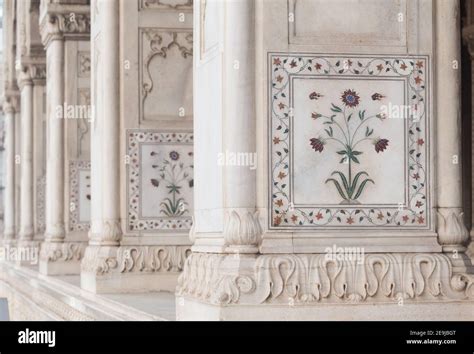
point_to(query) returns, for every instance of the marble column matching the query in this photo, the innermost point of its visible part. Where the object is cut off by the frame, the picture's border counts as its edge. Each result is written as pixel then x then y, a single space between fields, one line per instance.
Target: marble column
pixel 53 41
pixel 106 231
pixel 26 183
pixel 58 254
pixel 238 228
pixel 9 192
pixel 452 232
pixel 242 228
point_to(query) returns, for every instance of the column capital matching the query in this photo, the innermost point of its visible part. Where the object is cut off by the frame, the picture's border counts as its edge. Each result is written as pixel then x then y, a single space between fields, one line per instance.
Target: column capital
pixel 11 102
pixel 33 72
pixel 62 21
pixel 8 107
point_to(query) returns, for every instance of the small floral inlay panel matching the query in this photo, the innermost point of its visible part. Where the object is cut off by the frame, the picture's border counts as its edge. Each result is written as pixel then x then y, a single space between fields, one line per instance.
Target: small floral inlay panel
pixel 349 142
pixel 80 195
pixel 160 180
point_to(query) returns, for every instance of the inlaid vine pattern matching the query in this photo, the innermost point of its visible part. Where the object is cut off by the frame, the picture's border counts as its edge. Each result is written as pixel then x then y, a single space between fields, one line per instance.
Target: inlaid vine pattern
pixel 350 179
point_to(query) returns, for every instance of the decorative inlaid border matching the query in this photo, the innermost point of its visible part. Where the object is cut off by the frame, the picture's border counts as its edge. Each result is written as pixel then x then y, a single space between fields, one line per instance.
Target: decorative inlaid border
pixel 75 224
pixel 283 68
pixel 83 64
pixel 134 220
pixel 40 205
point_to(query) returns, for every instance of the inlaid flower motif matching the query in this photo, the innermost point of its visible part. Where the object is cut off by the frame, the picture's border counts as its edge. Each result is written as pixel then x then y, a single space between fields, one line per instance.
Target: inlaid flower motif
pixel 315 96
pixel 279 203
pixel 381 145
pixel 277 220
pixel 319 216
pixel 174 155
pixel 377 97
pixel 276 140
pixel 317 144
pixel 420 142
pixel 350 98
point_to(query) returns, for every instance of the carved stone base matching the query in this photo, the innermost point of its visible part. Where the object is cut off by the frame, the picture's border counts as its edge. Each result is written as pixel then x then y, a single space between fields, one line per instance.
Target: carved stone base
pixel 193 310
pixel 308 286
pixel 27 253
pixel 128 269
pixel 61 258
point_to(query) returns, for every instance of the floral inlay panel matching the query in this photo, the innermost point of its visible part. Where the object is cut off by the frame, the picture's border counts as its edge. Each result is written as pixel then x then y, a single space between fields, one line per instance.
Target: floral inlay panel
pixel 160 180
pixel 80 195
pixel 349 143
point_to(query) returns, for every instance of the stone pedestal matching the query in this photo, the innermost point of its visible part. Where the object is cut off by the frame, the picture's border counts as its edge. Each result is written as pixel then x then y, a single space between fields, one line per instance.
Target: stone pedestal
pixel 357 204
pixel 138 237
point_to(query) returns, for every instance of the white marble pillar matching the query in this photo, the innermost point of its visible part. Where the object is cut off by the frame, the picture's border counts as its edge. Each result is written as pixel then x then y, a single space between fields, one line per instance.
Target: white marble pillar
pixel 106 231
pixel 55 231
pixel 109 139
pixel 225 193
pixel 9 192
pixel 53 40
pixel 452 232
pixel 242 229
pixel 26 154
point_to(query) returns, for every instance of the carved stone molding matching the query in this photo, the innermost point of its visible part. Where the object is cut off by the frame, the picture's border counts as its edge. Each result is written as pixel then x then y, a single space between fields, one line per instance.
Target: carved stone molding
pixel 32 73
pixel 314 278
pixel 140 259
pixel 72 24
pixel 99 260
pixel 112 231
pixel 158 43
pixel 452 232
pixel 242 230
pixel 62 252
pixel 152 258
pixel 8 107
pixel 166 4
